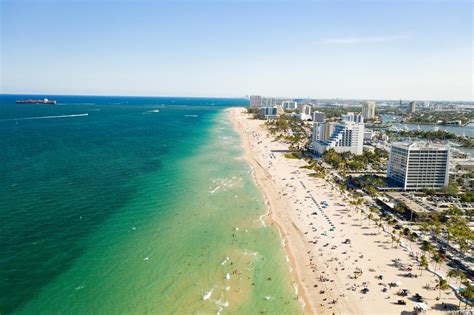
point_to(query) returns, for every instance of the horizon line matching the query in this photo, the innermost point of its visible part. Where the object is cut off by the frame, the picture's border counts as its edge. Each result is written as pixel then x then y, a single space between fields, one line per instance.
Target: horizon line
pixel 245 97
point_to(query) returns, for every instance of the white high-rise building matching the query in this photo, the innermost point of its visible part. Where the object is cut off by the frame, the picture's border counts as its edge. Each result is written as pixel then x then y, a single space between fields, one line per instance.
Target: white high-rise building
pixel 368 109
pixel 346 136
pixel 290 105
pixel 305 112
pixel 419 165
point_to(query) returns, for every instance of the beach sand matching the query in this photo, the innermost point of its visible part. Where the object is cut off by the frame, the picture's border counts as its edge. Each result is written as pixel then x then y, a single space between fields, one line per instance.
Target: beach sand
pixel 324 267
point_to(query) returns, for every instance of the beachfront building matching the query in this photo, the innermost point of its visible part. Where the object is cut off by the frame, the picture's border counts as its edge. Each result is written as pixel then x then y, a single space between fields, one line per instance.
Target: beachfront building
pixel 412 107
pixel 271 112
pixel 289 105
pixel 418 165
pixel 368 109
pixel 319 117
pixel 322 131
pixel 346 136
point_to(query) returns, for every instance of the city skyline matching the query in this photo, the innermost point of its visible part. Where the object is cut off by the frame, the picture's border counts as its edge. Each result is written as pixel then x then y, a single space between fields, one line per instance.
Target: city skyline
pixel 377 50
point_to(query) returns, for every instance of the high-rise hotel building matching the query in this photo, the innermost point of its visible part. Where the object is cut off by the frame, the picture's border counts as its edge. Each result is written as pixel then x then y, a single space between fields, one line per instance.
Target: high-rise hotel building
pixel 368 109
pixel 346 136
pixel 418 165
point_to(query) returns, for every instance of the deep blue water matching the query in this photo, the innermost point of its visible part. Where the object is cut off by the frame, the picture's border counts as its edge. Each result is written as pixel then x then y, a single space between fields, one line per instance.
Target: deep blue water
pixel 56 171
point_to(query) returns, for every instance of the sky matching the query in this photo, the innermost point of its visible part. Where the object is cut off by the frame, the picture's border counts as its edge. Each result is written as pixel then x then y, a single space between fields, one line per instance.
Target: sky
pixel 421 50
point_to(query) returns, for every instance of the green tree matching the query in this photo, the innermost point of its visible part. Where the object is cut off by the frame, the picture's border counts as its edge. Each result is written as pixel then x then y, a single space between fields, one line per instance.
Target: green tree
pixel 468 294
pixel 452 274
pixel 442 286
pixel 461 276
pixel 423 263
pixel 427 247
pixel 394 239
pixel 436 259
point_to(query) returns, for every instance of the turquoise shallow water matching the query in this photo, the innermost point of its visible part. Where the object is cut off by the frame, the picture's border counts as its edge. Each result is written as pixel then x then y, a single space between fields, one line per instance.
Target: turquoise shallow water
pixel 127 210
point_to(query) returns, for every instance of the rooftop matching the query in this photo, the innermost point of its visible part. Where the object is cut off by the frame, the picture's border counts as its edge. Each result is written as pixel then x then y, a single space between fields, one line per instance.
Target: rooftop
pixel 417 145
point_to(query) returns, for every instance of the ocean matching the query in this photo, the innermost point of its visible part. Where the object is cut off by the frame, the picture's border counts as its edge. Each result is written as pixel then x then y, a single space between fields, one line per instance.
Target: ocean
pixel 133 205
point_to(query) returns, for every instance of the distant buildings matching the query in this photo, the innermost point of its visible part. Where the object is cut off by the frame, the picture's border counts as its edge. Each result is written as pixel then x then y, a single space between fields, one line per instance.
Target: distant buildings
pixel 346 136
pixel 268 101
pixel 319 117
pixel 289 105
pixel 419 165
pixel 352 117
pixel 305 112
pixel 259 101
pixel 368 109
pixel 255 101
pixel 412 107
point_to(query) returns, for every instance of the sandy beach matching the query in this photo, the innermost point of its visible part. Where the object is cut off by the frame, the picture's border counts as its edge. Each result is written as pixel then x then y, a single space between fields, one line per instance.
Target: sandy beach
pixel 333 251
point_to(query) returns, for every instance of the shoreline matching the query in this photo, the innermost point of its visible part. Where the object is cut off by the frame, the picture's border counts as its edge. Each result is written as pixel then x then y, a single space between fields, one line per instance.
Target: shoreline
pixel 262 180
pixel 329 273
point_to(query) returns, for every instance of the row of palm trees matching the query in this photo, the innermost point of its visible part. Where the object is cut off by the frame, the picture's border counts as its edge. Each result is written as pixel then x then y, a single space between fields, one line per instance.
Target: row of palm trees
pixel 437 258
pixel 443 284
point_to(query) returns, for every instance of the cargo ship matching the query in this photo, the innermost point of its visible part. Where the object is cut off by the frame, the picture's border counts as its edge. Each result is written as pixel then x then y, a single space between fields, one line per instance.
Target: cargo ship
pixel 43 101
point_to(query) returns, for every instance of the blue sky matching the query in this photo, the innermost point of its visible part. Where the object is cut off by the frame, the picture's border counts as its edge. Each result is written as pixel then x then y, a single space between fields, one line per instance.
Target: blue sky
pixel 325 49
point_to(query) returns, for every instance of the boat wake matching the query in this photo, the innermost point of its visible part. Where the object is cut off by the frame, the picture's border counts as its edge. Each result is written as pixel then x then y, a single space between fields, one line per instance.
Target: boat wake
pixel 46 117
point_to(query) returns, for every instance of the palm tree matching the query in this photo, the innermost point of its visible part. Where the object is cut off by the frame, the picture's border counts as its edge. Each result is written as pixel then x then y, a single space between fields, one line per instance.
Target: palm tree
pixel 467 294
pixel 427 247
pixel 425 227
pixel 436 259
pixel 442 286
pixel 461 276
pixel 380 225
pixel 452 274
pixel 423 263
pixel 400 234
pixel 412 237
pixel 393 239
pixel 441 259
pixel 370 217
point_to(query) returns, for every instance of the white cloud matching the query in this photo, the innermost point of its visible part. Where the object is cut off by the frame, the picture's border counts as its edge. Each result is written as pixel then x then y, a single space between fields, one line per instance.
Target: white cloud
pixel 362 40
